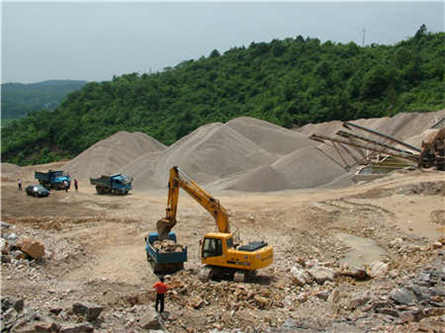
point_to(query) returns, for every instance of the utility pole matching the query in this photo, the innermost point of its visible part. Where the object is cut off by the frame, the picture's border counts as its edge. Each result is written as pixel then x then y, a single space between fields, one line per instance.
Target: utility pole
pixel 363 36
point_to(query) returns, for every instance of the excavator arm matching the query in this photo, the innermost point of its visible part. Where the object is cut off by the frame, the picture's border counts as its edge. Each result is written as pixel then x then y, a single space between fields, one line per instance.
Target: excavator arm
pixel 178 179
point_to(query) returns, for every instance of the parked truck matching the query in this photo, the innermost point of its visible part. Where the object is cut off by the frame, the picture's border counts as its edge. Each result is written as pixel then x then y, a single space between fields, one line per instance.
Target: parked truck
pixel 165 256
pixel 53 179
pixel 114 184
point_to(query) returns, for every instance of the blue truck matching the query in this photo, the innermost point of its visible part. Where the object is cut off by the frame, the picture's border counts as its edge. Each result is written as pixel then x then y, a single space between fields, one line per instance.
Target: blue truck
pixel 165 257
pixel 53 179
pixel 114 184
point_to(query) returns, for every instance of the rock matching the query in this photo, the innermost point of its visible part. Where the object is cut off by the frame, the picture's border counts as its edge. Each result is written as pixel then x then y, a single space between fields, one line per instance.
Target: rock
pixel 196 302
pixel 403 296
pixel 378 269
pixel 18 255
pixel 322 274
pixel 4 246
pixel 299 276
pixel 354 272
pixel 263 302
pixel 4 225
pixel 12 237
pixel 77 328
pixel 359 300
pixel 47 327
pixel 388 311
pixel 414 315
pixel 334 297
pixel 150 321
pixel 422 293
pixel 56 311
pixel 289 324
pixel 6 259
pixel 88 310
pixel 324 295
pixel 436 245
pixel 31 247
pixel 10 302
pixel 437 291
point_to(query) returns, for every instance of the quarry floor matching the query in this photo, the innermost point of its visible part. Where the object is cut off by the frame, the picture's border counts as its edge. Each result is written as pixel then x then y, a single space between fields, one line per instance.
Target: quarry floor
pixel 95 243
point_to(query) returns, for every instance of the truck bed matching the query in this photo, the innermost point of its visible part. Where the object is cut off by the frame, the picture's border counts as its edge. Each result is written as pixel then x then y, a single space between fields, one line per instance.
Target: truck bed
pixel 162 261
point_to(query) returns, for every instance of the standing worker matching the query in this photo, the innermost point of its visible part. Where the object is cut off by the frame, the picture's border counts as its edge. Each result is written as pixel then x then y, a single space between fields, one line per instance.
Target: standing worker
pixel 65 183
pixel 19 184
pixel 161 289
pixel 76 185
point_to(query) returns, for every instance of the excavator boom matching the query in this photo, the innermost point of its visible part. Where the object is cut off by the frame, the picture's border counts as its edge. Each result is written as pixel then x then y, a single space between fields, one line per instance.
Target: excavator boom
pixel 178 179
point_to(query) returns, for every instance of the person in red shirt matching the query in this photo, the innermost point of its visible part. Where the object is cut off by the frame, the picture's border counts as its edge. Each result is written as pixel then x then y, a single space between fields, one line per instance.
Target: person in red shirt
pixel 161 289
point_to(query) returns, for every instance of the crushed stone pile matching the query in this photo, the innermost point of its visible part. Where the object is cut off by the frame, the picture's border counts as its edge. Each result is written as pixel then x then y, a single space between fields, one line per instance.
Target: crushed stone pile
pixel 110 155
pixel 211 152
pixel 272 138
pixel 303 168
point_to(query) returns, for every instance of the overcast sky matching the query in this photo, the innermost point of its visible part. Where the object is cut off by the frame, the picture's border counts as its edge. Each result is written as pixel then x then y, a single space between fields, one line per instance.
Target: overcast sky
pixel 95 40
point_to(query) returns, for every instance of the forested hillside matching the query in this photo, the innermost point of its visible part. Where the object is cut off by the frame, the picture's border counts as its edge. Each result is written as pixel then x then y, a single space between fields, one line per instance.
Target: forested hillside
pixel 289 82
pixel 19 99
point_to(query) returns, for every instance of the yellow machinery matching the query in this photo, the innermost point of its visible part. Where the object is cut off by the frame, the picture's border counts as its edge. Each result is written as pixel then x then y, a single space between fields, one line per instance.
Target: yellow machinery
pixel 223 257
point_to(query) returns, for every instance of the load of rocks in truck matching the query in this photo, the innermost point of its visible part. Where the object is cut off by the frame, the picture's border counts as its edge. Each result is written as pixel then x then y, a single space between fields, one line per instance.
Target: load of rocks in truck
pixel 167 246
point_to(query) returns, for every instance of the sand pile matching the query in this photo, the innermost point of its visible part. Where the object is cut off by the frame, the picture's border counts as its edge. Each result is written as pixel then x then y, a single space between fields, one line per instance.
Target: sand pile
pixel 303 168
pixel 211 152
pixel 406 125
pixel 270 137
pixel 110 155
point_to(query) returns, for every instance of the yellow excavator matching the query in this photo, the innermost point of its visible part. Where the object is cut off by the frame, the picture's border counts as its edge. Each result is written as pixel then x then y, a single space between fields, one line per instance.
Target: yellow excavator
pixel 223 257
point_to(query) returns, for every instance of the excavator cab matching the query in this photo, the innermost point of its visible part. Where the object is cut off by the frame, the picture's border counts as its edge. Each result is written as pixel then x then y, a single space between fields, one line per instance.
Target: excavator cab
pixel 212 247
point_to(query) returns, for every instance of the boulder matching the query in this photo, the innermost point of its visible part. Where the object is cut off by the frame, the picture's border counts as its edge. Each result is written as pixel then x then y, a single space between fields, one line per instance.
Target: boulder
pixel 359 300
pixel 31 247
pixel 322 274
pixel 299 276
pixel 378 269
pixel 88 310
pixel 150 321
pixel 403 296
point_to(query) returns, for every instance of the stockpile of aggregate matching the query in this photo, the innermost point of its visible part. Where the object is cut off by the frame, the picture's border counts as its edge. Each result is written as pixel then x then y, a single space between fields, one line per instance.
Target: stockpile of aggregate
pixel 272 138
pixel 245 154
pixel 211 152
pixel 303 168
pixel 112 154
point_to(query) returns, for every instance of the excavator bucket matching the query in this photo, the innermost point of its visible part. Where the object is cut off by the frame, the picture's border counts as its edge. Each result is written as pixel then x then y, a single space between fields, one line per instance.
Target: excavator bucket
pixel 163 226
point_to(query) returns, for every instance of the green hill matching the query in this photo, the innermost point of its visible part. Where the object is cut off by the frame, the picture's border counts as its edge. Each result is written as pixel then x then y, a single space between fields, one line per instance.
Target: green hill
pixel 19 99
pixel 289 82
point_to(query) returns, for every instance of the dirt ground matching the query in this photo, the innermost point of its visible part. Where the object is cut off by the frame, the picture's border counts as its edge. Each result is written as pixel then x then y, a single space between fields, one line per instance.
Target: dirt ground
pixel 95 243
